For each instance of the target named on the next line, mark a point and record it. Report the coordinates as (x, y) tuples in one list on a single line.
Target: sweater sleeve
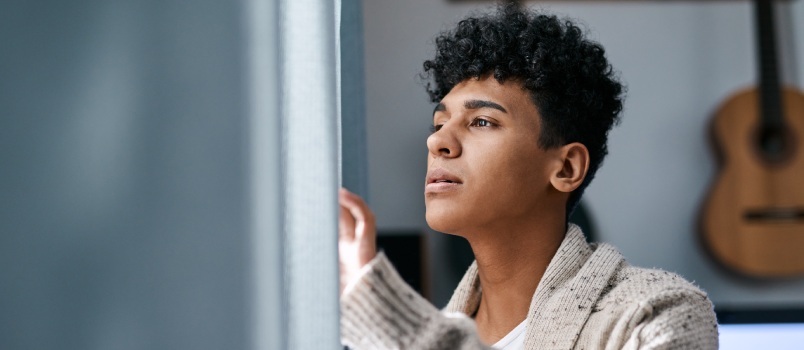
[(678, 319), (380, 311)]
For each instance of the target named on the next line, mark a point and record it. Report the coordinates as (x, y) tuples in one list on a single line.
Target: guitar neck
[(769, 84)]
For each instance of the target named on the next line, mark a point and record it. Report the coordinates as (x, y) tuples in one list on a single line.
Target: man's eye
[(481, 123), (434, 128)]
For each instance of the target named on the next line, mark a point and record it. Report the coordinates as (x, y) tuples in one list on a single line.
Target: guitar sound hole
[(775, 214), (774, 145)]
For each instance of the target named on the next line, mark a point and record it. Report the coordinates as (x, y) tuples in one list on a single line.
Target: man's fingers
[(364, 218), (358, 221), (346, 224), (356, 206)]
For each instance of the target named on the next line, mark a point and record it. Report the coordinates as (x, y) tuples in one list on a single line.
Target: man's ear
[(574, 158)]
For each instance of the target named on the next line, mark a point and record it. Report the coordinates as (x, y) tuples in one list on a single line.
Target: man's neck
[(511, 261)]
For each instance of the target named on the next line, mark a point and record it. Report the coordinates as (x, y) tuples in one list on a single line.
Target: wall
[(680, 59)]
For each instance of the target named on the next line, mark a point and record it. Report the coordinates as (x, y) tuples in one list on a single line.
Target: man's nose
[(444, 142)]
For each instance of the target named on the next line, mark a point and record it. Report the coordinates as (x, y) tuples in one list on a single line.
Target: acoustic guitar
[(753, 219)]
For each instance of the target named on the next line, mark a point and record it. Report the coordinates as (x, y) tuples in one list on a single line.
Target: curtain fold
[(309, 112)]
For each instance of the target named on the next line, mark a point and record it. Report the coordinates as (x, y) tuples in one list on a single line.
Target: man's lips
[(441, 180), (440, 175)]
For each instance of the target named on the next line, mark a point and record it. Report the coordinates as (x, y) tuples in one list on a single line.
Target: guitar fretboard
[(770, 99)]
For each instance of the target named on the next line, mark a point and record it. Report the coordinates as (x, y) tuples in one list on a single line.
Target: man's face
[(485, 167)]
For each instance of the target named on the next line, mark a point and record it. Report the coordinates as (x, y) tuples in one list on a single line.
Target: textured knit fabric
[(588, 298)]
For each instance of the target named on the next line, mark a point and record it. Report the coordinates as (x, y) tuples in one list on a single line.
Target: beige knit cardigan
[(588, 298)]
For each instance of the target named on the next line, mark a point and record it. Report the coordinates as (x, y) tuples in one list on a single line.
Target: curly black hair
[(568, 76)]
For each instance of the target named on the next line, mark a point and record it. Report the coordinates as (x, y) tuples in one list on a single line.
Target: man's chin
[(445, 222)]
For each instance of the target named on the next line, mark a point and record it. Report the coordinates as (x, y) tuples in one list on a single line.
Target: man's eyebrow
[(477, 104), (440, 107)]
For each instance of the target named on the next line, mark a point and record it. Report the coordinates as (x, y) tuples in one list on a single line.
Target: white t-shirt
[(514, 340)]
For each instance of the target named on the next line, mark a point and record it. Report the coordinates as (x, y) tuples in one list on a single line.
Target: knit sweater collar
[(563, 300), (571, 254)]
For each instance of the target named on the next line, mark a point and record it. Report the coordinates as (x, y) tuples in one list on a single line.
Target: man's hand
[(357, 236)]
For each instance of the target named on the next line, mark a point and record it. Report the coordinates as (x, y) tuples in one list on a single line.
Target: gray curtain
[(168, 173), (309, 113)]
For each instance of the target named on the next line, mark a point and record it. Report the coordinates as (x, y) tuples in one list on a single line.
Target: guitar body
[(753, 219)]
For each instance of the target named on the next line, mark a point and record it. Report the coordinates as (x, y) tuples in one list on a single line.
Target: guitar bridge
[(775, 214)]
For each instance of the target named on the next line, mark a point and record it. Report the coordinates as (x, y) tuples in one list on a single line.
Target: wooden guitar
[(753, 219)]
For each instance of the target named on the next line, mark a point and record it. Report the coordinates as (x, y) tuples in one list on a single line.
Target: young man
[(524, 106)]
